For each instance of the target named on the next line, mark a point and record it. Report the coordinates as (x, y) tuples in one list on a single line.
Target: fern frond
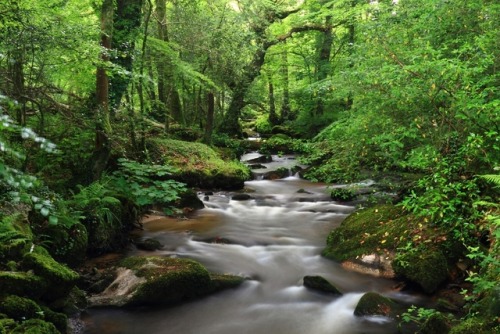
[(493, 178)]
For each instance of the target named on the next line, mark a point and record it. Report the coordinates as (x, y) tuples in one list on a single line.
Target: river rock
[(319, 283), (148, 244), (241, 197), (372, 303), (372, 264), (161, 281), (260, 160)]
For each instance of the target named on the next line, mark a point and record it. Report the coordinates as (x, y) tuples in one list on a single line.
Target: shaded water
[(274, 239)]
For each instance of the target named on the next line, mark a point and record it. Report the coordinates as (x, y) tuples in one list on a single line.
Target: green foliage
[(147, 185), (342, 194), (283, 144)]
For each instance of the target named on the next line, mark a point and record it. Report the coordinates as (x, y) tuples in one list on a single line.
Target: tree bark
[(102, 148), (285, 112), (209, 126), (273, 117), (127, 20)]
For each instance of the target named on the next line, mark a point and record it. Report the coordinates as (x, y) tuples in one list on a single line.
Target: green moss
[(20, 308), (6, 325), (367, 231), (168, 280), (60, 278), (59, 320), (68, 245), (35, 326), (321, 284), (425, 266), (225, 281), (435, 324), (198, 165), (22, 283), (471, 326), (372, 303)]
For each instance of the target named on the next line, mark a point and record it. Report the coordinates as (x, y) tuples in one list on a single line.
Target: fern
[(493, 178)]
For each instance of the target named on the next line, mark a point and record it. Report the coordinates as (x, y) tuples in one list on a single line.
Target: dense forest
[(110, 108)]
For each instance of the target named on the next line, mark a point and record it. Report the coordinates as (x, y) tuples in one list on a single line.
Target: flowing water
[(274, 239)]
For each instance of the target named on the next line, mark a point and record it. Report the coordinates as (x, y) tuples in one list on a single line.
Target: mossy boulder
[(435, 324), (161, 281), (198, 165), (6, 324), (319, 283), (148, 244), (472, 326), (372, 303), (60, 279), (22, 284), (20, 308), (68, 245), (425, 266), (35, 326), (384, 240), (59, 320)]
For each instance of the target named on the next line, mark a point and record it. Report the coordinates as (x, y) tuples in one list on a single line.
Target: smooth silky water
[(274, 239)]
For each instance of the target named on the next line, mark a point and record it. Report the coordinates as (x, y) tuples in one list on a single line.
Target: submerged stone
[(319, 283), (149, 244), (372, 303)]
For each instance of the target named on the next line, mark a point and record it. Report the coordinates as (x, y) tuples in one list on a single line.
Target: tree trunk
[(285, 106), (127, 20), (209, 126), (323, 67), (103, 126), (273, 117)]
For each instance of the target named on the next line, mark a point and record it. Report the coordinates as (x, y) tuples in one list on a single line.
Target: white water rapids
[(274, 239)]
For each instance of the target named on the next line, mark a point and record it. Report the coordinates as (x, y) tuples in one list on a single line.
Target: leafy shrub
[(146, 185)]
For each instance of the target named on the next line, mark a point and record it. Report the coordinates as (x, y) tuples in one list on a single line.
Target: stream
[(274, 239)]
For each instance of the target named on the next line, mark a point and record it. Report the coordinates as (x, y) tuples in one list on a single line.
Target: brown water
[(274, 239)]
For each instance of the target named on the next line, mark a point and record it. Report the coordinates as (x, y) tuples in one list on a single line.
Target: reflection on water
[(274, 239)]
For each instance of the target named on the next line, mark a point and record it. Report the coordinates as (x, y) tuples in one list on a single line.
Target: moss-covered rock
[(198, 165), (225, 281), (366, 231), (60, 279), (20, 308), (435, 324), (472, 326), (372, 303), (406, 246), (35, 326), (160, 280), (22, 284), (68, 245), (319, 283), (425, 266), (15, 236), (6, 325), (59, 320)]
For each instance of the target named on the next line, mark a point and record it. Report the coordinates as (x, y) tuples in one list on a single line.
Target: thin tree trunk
[(285, 107), (323, 69), (209, 126), (103, 126), (273, 117)]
